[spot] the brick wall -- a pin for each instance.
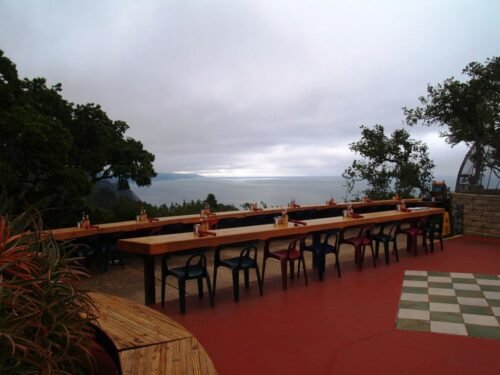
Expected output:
(481, 213)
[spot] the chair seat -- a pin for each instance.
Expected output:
(325, 248)
(358, 241)
(246, 262)
(413, 231)
(286, 254)
(382, 237)
(192, 271)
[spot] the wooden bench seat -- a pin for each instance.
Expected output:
(148, 341)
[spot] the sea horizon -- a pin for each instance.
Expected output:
(168, 188)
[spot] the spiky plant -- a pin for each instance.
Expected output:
(44, 317)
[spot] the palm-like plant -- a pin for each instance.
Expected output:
(44, 317)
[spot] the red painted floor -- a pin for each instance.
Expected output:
(342, 326)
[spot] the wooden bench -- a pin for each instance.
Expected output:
(147, 341)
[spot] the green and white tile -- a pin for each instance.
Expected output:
(456, 303)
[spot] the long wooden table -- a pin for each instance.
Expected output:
(133, 225)
(158, 245)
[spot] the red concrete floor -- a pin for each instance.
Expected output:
(342, 326)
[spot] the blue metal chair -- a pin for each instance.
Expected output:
(387, 233)
(320, 248)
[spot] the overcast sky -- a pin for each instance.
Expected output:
(257, 87)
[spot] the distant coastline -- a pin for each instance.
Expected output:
(169, 188)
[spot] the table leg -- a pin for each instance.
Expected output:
(316, 260)
(149, 280)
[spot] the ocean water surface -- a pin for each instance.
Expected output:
(274, 191)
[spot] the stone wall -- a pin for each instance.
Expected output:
(481, 213)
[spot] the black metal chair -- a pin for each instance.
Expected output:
(194, 269)
(92, 248)
(434, 228)
(113, 255)
(387, 233)
(320, 248)
(244, 262)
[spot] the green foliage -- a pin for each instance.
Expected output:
(397, 164)
(44, 317)
(121, 209)
(52, 151)
(248, 205)
(469, 111)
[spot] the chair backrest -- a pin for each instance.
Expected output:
(331, 233)
(366, 230)
(199, 260)
(296, 240)
(418, 222)
(236, 244)
(435, 222)
(390, 228)
(247, 253)
(212, 221)
(363, 231)
(294, 245)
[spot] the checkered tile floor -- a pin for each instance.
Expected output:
(449, 302)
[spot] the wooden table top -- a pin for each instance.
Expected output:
(154, 245)
(133, 225)
(149, 342)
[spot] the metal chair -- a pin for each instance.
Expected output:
(360, 242)
(92, 248)
(387, 233)
(194, 269)
(293, 253)
(320, 248)
(244, 262)
(416, 229)
(434, 227)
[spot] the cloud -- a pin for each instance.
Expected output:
(251, 87)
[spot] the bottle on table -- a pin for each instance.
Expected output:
(284, 217)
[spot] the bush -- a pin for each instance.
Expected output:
(44, 318)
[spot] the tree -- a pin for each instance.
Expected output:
(52, 152)
(468, 109)
(396, 164)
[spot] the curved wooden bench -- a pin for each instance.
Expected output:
(147, 341)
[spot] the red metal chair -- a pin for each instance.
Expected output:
(360, 242)
(287, 256)
(416, 229)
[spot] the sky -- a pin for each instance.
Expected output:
(253, 87)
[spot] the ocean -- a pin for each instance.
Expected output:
(273, 191)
